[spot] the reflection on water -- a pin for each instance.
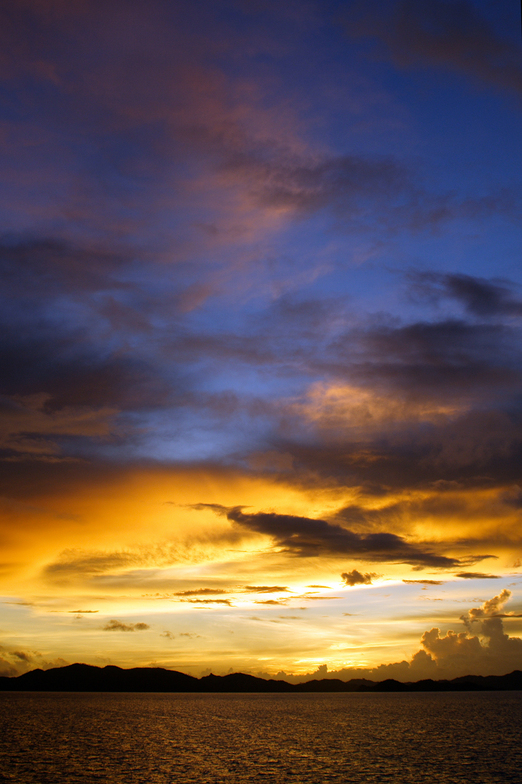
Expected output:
(299, 738)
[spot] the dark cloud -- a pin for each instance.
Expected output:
(28, 264)
(357, 578)
(425, 582)
(326, 587)
(265, 588)
(432, 400)
(308, 537)
(82, 612)
(274, 601)
(477, 451)
(477, 576)
(7, 669)
(23, 656)
(357, 189)
(480, 297)
(176, 108)
(51, 328)
(119, 626)
(450, 355)
(200, 592)
(450, 35)
(108, 385)
(209, 601)
(345, 182)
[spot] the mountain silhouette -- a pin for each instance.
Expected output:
(85, 677)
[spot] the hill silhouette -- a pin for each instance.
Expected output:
(85, 678)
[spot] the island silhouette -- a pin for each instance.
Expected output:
(86, 677)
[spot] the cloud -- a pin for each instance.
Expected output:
(477, 576)
(490, 607)
(79, 564)
(453, 36)
(425, 582)
(482, 649)
(274, 601)
(7, 669)
(209, 601)
(480, 297)
(176, 130)
(22, 656)
(200, 592)
(265, 589)
(404, 402)
(167, 225)
(242, 589)
(14, 662)
(308, 537)
(27, 428)
(491, 651)
(326, 587)
(356, 578)
(82, 612)
(119, 626)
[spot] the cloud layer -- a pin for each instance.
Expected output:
(260, 326)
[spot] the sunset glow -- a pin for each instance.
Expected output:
(261, 337)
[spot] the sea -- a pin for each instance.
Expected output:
(437, 738)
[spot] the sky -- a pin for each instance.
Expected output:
(261, 336)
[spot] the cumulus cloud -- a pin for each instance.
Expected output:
(119, 626)
(483, 648)
(490, 607)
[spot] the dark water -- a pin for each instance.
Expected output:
(298, 738)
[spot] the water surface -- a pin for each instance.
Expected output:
(447, 738)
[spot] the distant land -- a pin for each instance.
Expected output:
(84, 677)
